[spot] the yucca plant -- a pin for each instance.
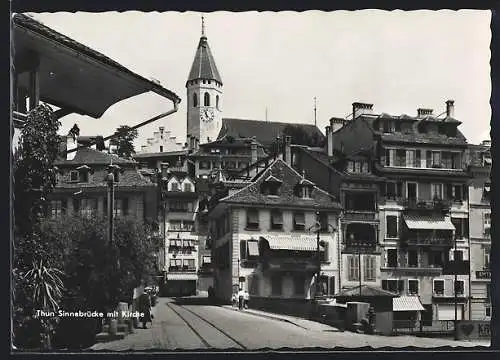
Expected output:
(47, 288)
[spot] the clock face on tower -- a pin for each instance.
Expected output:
(207, 115)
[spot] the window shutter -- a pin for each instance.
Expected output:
(243, 249)
(465, 192)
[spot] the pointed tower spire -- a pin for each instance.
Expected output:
(203, 26)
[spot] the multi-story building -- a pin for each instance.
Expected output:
(181, 240)
(264, 239)
(350, 178)
(479, 225)
(423, 207)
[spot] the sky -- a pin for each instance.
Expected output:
(398, 61)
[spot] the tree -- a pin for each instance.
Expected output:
(124, 141)
(34, 179)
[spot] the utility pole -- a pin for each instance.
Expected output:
(266, 114)
(318, 254)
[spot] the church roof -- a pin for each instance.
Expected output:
(264, 131)
(204, 64)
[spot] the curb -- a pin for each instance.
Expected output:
(270, 317)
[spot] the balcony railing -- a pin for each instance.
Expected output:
(182, 268)
(360, 215)
(421, 270)
(412, 204)
(414, 240)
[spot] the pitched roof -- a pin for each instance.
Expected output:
(263, 131)
(252, 195)
(128, 178)
(87, 156)
(204, 64)
(367, 291)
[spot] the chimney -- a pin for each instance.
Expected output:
(71, 143)
(253, 151)
(162, 129)
(450, 108)
(288, 150)
(359, 108)
(329, 140)
(421, 112)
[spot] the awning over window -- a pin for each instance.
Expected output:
(292, 242)
(180, 276)
(253, 248)
(420, 222)
(407, 303)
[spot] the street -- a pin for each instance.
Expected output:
(189, 326)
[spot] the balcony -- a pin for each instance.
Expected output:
(416, 240)
(291, 264)
(360, 215)
(430, 205)
(181, 269)
(421, 270)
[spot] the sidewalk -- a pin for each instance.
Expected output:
(300, 322)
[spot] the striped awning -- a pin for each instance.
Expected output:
(180, 276)
(295, 242)
(407, 303)
(421, 222)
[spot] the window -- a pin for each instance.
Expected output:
(57, 208)
(393, 285)
(487, 224)
(252, 219)
(412, 258)
(299, 282)
(486, 258)
(392, 258)
(438, 286)
(73, 175)
(365, 167)
(357, 166)
(394, 190)
(161, 147)
(187, 187)
(299, 222)
(175, 264)
(353, 268)
(488, 293)
(461, 227)
(370, 267)
(413, 287)
(116, 175)
(487, 310)
(217, 102)
(195, 100)
(436, 258)
(276, 220)
(324, 253)
(410, 158)
(437, 191)
(174, 186)
(306, 192)
(457, 193)
(276, 284)
(207, 260)
(459, 287)
(401, 158)
(180, 206)
(83, 176)
(206, 99)
(391, 226)
(436, 159)
(323, 222)
(121, 207)
(188, 264)
(456, 162)
(87, 207)
(418, 159)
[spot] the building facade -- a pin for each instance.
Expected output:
(480, 237)
(265, 239)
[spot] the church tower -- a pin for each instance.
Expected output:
(204, 96)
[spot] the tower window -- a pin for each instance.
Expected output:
(161, 148)
(209, 82)
(195, 100)
(207, 99)
(217, 102)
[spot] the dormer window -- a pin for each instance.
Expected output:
(270, 186)
(116, 175)
(304, 188)
(83, 174)
(73, 176)
(306, 192)
(174, 187)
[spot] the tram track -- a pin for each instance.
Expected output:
(175, 308)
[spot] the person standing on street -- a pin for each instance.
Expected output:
(241, 297)
(246, 297)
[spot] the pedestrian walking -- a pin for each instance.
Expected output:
(246, 297)
(241, 297)
(145, 309)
